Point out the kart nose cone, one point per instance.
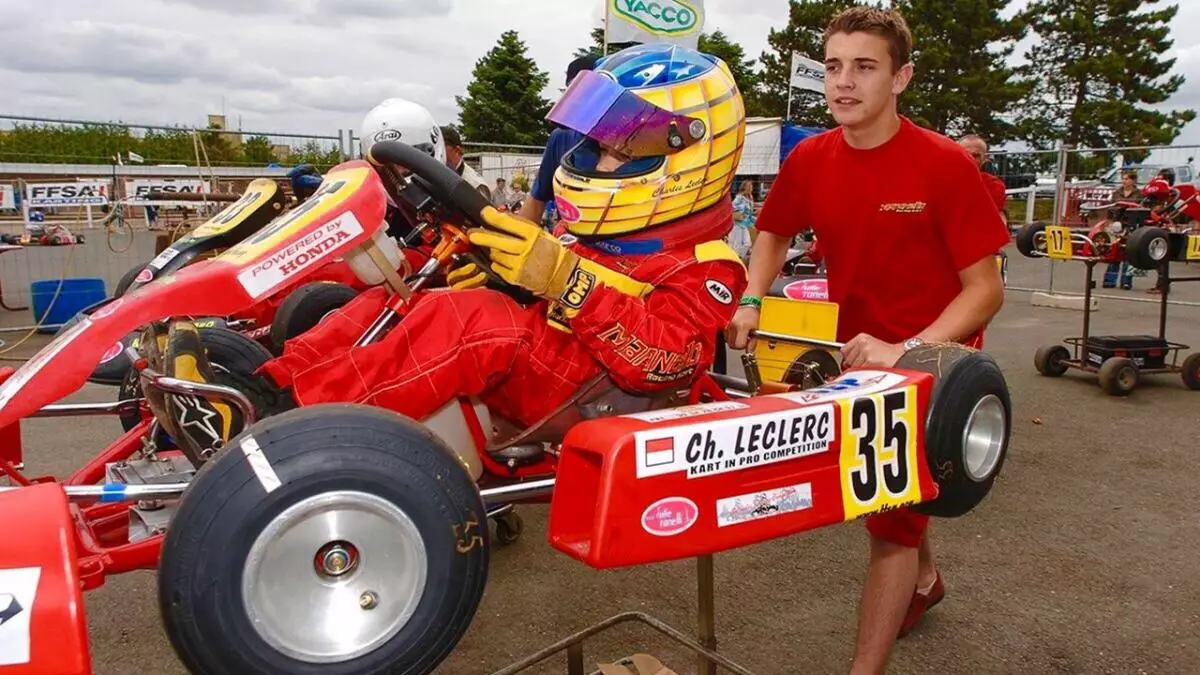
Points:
(983, 437)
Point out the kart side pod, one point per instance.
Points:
(692, 481)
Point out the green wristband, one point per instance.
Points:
(751, 301)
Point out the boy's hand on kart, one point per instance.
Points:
(466, 277)
(866, 350)
(525, 255)
(737, 334)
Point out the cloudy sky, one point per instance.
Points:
(316, 66)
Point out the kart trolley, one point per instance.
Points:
(1119, 361)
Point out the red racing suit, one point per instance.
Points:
(522, 365)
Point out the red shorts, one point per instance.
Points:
(902, 527)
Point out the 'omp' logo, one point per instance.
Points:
(662, 17)
(578, 288)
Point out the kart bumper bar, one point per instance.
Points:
(116, 492)
(171, 385)
(518, 491)
(129, 406)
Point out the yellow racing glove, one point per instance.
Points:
(525, 255)
(466, 277)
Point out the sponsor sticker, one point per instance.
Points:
(767, 504)
(807, 289)
(144, 276)
(855, 383)
(669, 517)
(567, 211)
(271, 271)
(686, 411)
(18, 592)
(721, 446)
(107, 309)
(160, 261)
(112, 353)
(719, 291)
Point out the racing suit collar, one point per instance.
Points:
(712, 223)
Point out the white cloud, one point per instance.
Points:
(316, 66)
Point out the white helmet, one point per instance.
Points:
(399, 119)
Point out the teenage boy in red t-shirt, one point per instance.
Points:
(908, 232)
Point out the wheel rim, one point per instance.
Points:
(334, 576)
(983, 437)
(1127, 378)
(1157, 248)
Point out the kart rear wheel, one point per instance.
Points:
(1118, 376)
(1026, 238)
(1050, 360)
(968, 427)
(332, 539)
(1191, 372)
(306, 307)
(1147, 247)
(127, 279)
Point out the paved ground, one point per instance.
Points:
(1082, 560)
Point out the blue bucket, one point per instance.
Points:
(76, 294)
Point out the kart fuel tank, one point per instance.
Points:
(696, 480)
(43, 628)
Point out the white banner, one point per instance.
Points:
(7, 200)
(137, 189)
(808, 74)
(675, 21)
(81, 193)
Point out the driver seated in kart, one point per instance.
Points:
(637, 285)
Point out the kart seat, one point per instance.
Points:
(599, 398)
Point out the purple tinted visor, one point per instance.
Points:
(622, 121)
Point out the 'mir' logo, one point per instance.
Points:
(662, 17)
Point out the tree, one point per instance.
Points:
(1096, 73)
(962, 82)
(597, 46)
(719, 45)
(504, 101)
(804, 33)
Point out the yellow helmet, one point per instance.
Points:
(677, 120)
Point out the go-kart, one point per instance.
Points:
(339, 538)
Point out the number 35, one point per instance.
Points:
(879, 434)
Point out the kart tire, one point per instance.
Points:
(1191, 372)
(1050, 360)
(968, 427)
(1026, 238)
(234, 357)
(798, 374)
(373, 481)
(1147, 248)
(1118, 376)
(127, 279)
(305, 307)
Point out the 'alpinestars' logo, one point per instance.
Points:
(9, 607)
(194, 414)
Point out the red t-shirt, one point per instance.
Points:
(996, 189)
(896, 224)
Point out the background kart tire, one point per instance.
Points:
(235, 358)
(1025, 239)
(1118, 376)
(1147, 247)
(305, 308)
(1191, 372)
(970, 397)
(328, 451)
(1050, 360)
(797, 372)
(126, 279)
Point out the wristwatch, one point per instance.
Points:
(913, 343)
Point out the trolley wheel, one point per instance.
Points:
(1025, 239)
(509, 528)
(1118, 376)
(1191, 372)
(1050, 360)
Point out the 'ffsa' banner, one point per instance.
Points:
(80, 193)
(808, 74)
(675, 21)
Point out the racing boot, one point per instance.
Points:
(201, 426)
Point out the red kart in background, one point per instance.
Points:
(346, 539)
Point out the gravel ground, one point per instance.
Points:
(1081, 561)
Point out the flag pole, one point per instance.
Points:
(607, 7)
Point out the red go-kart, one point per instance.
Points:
(346, 539)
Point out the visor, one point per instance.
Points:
(622, 121)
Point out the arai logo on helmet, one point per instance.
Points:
(567, 211)
(387, 135)
(662, 17)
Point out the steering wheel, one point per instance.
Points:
(449, 189)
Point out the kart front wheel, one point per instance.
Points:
(1147, 247)
(1191, 372)
(1027, 240)
(332, 539)
(968, 426)
(306, 307)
